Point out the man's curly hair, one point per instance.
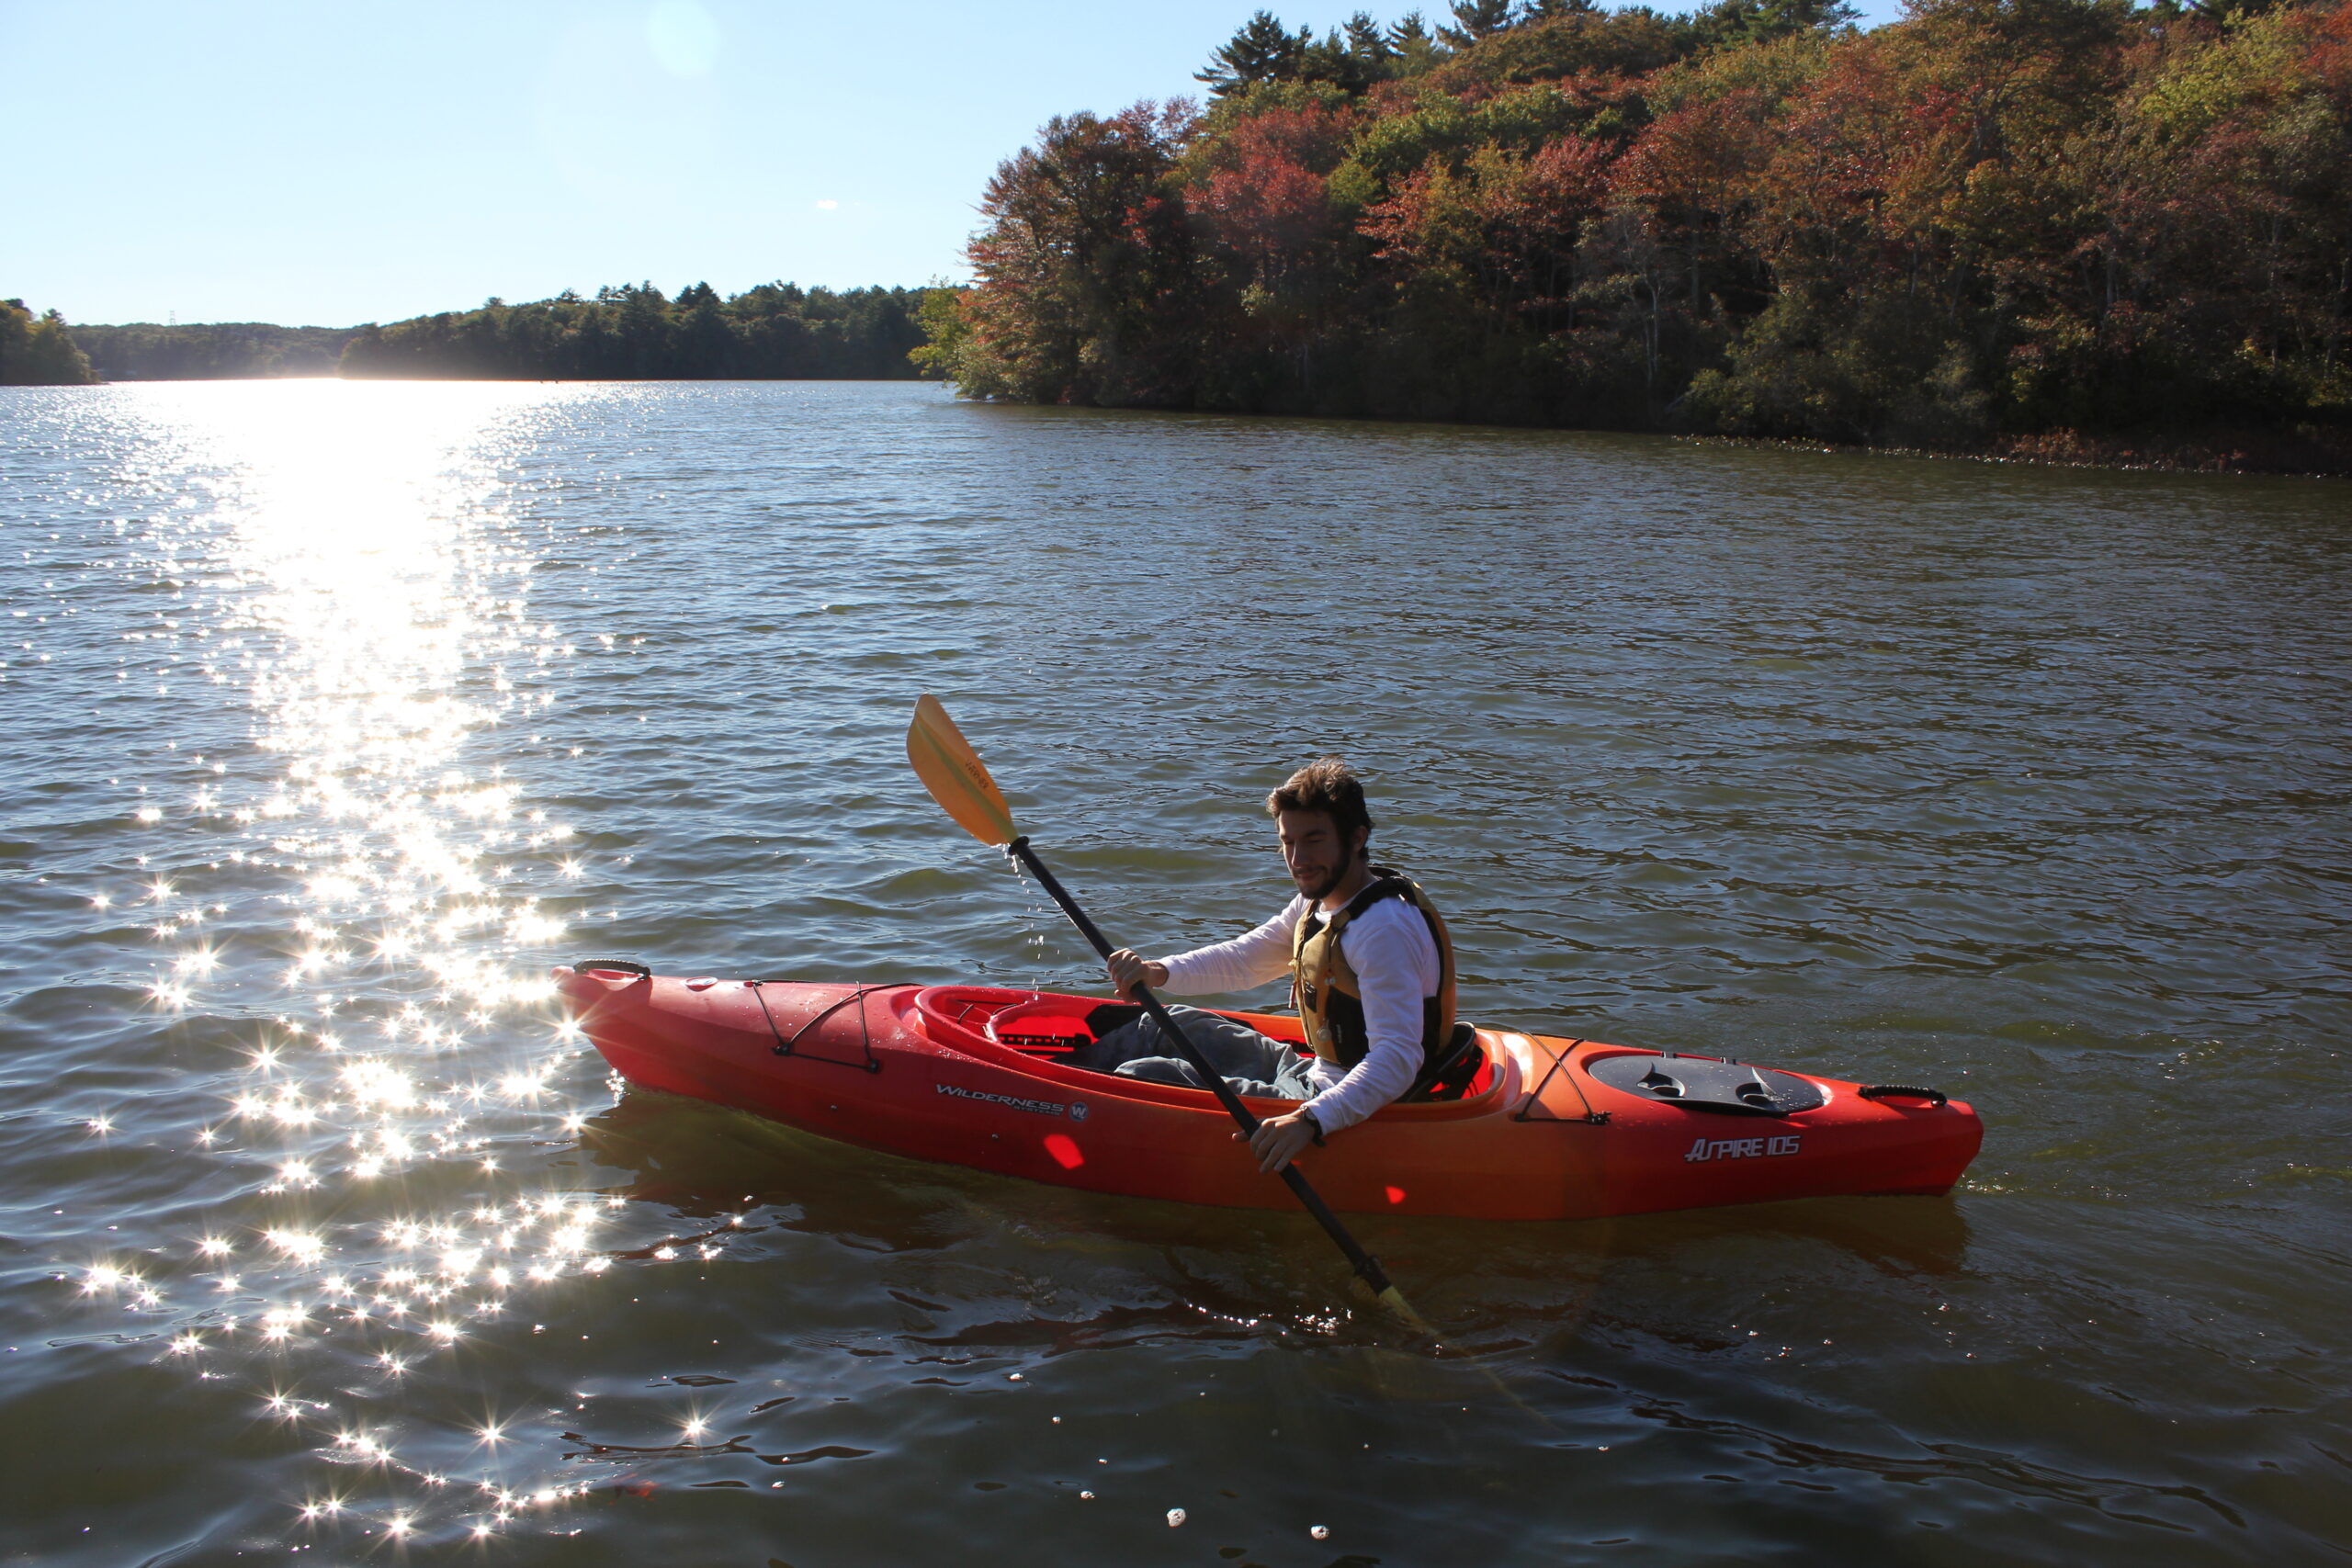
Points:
(1329, 786)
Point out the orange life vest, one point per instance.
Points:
(1330, 998)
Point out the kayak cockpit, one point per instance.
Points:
(1050, 1027)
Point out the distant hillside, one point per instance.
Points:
(632, 332)
(220, 351)
(777, 332)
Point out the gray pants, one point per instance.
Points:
(1246, 1059)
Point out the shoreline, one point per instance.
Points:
(2239, 453)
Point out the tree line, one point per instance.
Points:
(777, 331)
(1991, 223)
(211, 350)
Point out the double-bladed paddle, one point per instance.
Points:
(959, 781)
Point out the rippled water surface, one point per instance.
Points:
(336, 715)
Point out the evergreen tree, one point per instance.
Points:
(1262, 51)
(1475, 19)
(1365, 39)
(1352, 60)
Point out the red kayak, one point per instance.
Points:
(1544, 1129)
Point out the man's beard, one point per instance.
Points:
(1322, 889)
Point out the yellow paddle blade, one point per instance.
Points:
(1394, 1300)
(955, 776)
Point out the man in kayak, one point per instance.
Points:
(1370, 968)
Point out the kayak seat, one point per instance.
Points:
(1101, 1020)
(1045, 1026)
(1451, 1072)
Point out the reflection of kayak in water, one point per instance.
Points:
(1547, 1128)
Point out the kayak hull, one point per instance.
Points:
(971, 1076)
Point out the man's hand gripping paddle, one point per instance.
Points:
(959, 781)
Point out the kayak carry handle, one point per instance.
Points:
(1936, 1098)
(616, 965)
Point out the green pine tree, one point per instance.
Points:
(1262, 51)
(1475, 19)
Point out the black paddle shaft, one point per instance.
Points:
(1365, 1265)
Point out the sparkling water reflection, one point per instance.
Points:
(336, 714)
(346, 563)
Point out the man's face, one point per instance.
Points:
(1314, 851)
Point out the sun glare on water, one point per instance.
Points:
(363, 897)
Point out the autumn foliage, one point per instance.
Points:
(1991, 221)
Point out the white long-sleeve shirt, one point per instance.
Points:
(1395, 958)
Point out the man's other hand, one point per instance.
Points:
(1128, 966)
(1281, 1139)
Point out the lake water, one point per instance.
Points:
(336, 714)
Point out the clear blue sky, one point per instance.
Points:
(338, 161)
